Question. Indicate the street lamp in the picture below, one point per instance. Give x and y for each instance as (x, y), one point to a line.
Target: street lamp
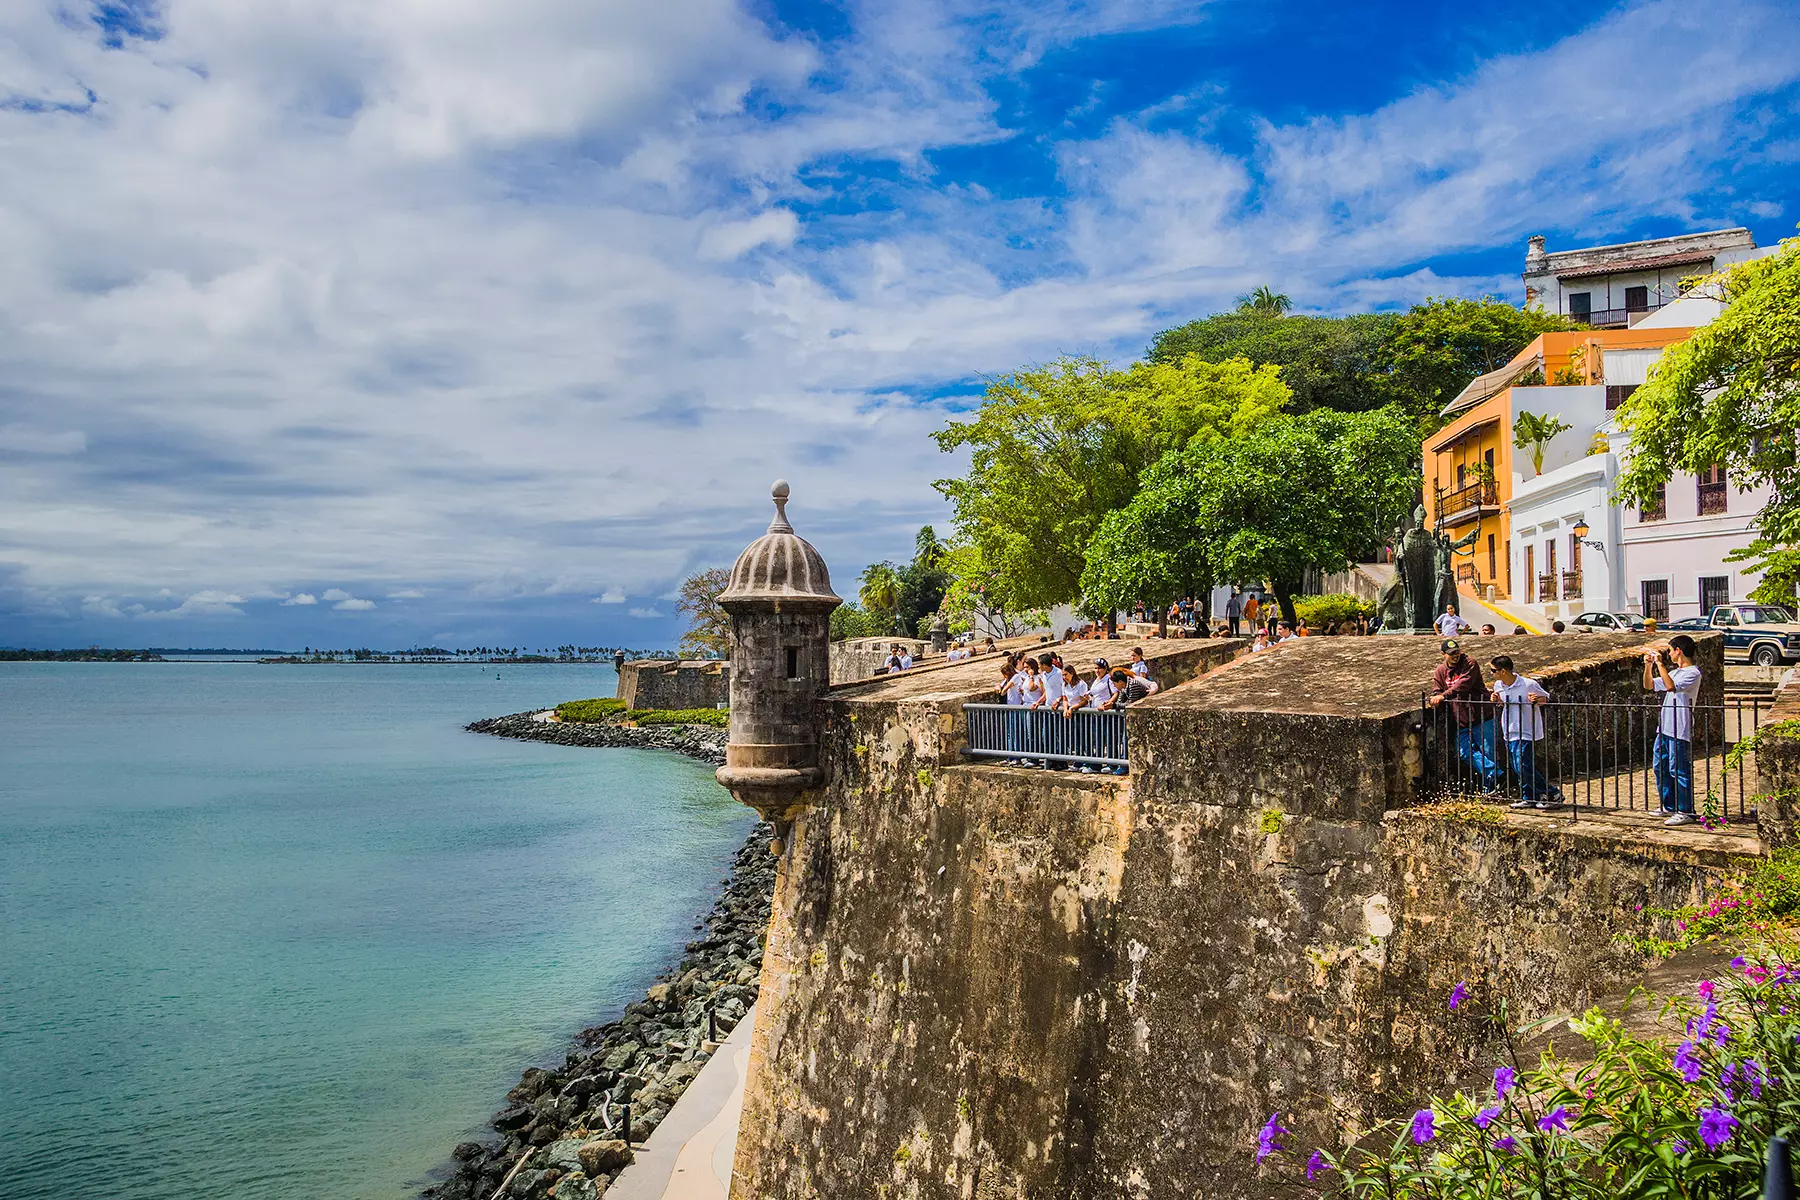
(1581, 535)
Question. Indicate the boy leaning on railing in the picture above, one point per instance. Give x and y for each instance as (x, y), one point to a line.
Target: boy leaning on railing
(1521, 700)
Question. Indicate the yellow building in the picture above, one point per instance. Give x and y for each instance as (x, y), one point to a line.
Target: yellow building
(1469, 464)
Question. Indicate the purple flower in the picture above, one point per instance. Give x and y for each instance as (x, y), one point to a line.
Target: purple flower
(1721, 1032)
(1706, 989)
(1702, 1025)
(1557, 1118)
(1315, 1165)
(1265, 1141)
(1716, 1126)
(1423, 1126)
(1457, 995)
(1686, 1063)
(1737, 964)
(1487, 1116)
(1752, 1073)
(1679, 1146)
(1505, 1078)
(1507, 1144)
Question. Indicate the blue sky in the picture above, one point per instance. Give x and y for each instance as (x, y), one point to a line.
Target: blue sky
(468, 322)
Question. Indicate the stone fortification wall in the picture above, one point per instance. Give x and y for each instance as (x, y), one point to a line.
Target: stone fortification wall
(988, 982)
(667, 683)
(857, 659)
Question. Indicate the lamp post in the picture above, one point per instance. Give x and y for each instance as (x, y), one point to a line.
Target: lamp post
(1581, 535)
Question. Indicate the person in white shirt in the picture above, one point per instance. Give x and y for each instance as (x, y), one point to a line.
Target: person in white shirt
(1101, 690)
(1675, 724)
(1286, 632)
(1449, 624)
(1521, 702)
(1137, 666)
(1052, 682)
(1012, 690)
(906, 659)
(1074, 691)
(1260, 642)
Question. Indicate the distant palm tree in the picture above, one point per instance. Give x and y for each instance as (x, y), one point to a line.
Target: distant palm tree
(880, 591)
(1264, 302)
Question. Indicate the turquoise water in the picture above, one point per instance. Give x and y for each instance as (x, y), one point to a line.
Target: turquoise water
(289, 931)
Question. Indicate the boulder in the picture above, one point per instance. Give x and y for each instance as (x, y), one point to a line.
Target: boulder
(603, 1156)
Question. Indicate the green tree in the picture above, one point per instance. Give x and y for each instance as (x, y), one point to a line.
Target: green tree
(1328, 362)
(923, 581)
(1053, 449)
(1151, 549)
(878, 587)
(1729, 396)
(1265, 301)
(849, 621)
(709, 626)
(1440, 346)
(1308, 491)
(976, 599)
(1535, 430)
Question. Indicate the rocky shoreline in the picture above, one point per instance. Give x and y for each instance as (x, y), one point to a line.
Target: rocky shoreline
(695, 741)
(562, 1132)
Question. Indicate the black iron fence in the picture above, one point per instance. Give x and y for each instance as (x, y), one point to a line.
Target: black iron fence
(1574, 754)
(1085, 737)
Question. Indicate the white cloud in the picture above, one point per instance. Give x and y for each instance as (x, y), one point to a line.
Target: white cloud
(353, 605)
(208, 603)
(505, 302)
(648, 613)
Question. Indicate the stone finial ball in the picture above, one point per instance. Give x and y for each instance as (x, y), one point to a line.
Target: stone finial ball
(780, 490)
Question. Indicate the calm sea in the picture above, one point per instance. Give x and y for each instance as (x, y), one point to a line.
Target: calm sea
(289, 931)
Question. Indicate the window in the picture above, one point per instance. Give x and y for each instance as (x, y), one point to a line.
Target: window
(1581, 305)
(1530, 570)
(1574, 554)
(793, 662)
(1637, 299)
(1618, 393)
(1493, 560)
(1657, 509)
(1656, 598)
(1710, 492)
(1714, 591)
(1462, 476)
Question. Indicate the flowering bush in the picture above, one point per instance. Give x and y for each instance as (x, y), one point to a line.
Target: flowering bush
(1764, 901)
(1641, 1120)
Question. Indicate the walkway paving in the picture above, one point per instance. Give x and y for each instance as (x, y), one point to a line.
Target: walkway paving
(689, 1156)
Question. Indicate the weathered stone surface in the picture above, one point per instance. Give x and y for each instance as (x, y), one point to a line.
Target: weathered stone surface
(603, 1156)
(668, 683)
(991, 982)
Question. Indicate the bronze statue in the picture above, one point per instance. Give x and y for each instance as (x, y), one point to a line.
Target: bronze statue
(1424, 576)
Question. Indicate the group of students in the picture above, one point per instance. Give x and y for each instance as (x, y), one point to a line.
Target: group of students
(1669, 671)
(1048, 683)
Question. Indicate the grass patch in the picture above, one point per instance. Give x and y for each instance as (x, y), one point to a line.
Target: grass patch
(718, 718)
(588, 710)
(1270, 820)
(1463, 810)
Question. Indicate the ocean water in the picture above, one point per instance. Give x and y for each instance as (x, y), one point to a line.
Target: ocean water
(290, 931)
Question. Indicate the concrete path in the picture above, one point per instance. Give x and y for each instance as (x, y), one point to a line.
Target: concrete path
(689, 1156)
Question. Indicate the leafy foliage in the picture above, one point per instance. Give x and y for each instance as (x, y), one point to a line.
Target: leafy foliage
(1638, 1121)
(975, 600)
(1535, 430)
(589, 710)
(1054, 449)
(849, 621)
(709, 626)
(718, 718)
(1730, 396)
(878, 587)
(1265, 301)
(1767, 898)
(1442, 345)
(1320, 611)
(923, 581)
(1328, 362)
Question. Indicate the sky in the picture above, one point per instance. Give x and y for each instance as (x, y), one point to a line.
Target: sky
(486, 322)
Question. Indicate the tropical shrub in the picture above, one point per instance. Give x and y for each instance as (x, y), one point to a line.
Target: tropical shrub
(1642, 1119)
(719, 718)
(588, 710)
(1320, 611)
(1764, 901)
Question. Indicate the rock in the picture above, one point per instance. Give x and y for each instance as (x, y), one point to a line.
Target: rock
(562, 1154)
(603, 1156)
(466, 1151)
(658, 993)
(575, 1187)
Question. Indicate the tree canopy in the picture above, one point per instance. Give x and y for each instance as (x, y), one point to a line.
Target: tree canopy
(1308, 491)
(709, 626)
(1053, 449)
(1729, 396)
(1418, 360)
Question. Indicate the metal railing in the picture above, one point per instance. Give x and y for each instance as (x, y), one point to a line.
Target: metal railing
(1089, 736)
(1595, 755)
(1546, 588)
(1710, 499)
(1470, 496)
(1614, 316)
(1571, 585)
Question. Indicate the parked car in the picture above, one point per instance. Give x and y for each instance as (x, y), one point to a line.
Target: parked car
(1610, 622)
(1689, 624)
(1765, 634)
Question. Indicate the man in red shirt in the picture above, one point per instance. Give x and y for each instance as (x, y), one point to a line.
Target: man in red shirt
(1458, 681)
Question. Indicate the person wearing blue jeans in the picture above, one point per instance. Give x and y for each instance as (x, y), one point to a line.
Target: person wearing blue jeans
(1458, 681)
(1521, 702)
(1672, 674)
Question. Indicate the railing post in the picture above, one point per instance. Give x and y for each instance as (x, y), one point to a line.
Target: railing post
(1778, 1173)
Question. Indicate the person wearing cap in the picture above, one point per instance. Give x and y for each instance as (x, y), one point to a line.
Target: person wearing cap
(1458, 680)
(1101, 690)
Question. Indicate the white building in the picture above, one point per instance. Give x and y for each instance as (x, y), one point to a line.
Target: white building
(1666, 562)
(1620, 286)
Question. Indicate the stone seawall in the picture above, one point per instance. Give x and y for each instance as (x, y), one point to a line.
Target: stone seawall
(560, 1134)
(695, 741)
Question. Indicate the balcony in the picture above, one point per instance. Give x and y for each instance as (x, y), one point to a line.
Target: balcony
(1571, 585)
(1467, 502)
(1711, 499)
(1546, 589)
(1614, 318)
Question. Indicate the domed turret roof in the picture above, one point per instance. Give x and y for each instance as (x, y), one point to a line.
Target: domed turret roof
(780, 565)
